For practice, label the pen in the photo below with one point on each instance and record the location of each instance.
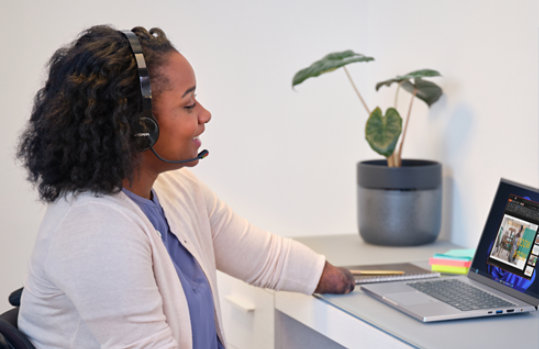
(376, 272)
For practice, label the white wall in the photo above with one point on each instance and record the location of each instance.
(286, 159)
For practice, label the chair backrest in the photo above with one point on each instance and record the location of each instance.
(4, 344)
(15, 297)
(10, 335)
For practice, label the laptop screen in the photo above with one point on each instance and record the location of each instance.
(509, 246)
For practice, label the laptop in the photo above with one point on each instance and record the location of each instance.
(503, 274)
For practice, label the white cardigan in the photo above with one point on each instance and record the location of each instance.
(100, 275)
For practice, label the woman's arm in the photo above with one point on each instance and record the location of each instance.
(269, 260)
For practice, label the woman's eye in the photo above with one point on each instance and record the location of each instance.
(190, 106)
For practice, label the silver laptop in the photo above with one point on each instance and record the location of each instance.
(502, 278)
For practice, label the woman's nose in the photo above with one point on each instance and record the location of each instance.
(205, 115)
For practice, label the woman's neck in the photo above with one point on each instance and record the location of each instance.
(141, 184)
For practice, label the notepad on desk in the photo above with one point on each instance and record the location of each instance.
(364, 274)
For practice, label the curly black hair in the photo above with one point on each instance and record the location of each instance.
(80, 133)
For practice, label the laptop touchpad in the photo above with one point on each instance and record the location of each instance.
(409, 298)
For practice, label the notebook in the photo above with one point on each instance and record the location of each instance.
(503, 267)
(408, 271)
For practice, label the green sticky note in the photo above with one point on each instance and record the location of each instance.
(461, 254)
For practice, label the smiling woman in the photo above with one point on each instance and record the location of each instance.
(128, 249)
(181, 119)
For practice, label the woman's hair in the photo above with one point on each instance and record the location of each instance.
(80, 135)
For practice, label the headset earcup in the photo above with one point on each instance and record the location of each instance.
(147, 133)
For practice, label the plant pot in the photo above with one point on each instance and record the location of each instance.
(399, 206)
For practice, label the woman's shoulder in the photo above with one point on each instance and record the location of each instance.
(102, 221)
(91, 200)
(92, 208)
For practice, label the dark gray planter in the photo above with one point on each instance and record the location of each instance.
(399, 206)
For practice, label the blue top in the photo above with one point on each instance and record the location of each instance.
(194, 282)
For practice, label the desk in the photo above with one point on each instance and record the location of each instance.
(359, 321)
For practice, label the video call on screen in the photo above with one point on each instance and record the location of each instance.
(516, 245)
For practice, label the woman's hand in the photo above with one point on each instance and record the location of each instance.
(335, 280)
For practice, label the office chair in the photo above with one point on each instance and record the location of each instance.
(10, 336)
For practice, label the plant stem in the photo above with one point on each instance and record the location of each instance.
(391, 160)
(399, 160)
(356, 90)
(397, 95)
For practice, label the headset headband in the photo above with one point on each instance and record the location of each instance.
(144, 76)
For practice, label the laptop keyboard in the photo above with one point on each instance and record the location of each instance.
(459, 294)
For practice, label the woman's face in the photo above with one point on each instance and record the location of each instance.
(180, 116)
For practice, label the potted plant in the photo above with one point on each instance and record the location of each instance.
(399, 201)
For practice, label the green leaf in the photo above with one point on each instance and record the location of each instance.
(427, 91)
(329, 63)
(382, 132)
(423, 73)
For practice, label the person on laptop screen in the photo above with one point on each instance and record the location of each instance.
(513, 254)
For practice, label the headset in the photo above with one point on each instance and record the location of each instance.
(147, 131)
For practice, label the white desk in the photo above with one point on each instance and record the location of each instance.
(359, 321)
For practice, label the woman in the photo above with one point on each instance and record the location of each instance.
(127, 252)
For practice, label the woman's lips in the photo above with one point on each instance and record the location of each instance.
(197, 142)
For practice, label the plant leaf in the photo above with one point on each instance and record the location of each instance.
(382, 132)
(422, 73)
(329, 63)
(427, 91)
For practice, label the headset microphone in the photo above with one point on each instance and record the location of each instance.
(200, 156)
